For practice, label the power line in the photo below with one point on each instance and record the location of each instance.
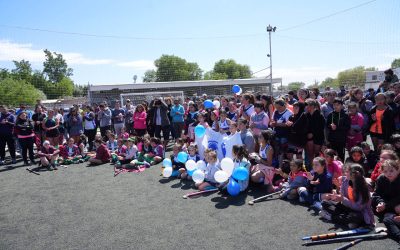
(178, 38)
(338, 41)
(327, 16)
(127, 37)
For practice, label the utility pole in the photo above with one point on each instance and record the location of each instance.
(269, 30)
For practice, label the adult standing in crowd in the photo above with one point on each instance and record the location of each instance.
(139, 120)
(7, 121)
(25, 134)
(177, 113)
(104, 116)
(90, 126)
(75, 124)
(129, 110)
(118, 117)
(160, 119)
(38, 118)
(50, 126)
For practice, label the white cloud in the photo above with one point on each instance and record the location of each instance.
(139, 64)
(10, 51)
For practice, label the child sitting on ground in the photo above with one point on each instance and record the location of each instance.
(385, 155)
(352, 206)
(120, 154)
(386, 198)
(334, 166)
(192, 153)
(48, 156)
(179, 168)
(240, 156)
(123, 135)
(128, 161)
(297, 178)
(112, 143)
(319, 184)
(370, 156)
(102, 154)
(356, 156)
(70, 153)
(212, 166)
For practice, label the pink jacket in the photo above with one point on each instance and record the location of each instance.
(139, 120)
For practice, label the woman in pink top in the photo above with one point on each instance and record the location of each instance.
(139, 120)
(354, 136)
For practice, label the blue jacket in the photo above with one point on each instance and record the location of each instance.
(7, 129)
(177, 113)
(325, 183)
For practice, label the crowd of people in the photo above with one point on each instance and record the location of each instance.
(295, 144)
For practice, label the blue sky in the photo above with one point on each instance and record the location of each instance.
(203, 32)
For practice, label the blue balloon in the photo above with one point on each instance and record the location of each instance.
(233, 187)
(167, 162)
(182, 157)
(235, 89)
(208, 104)
(190, 173)
(240, 173)
(199, 131)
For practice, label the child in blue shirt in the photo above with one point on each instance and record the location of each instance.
(319, 184)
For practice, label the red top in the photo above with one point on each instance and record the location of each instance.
(377, 171)
(103, 154)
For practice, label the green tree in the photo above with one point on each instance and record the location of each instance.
(65, 87)
(55, 67)
(80, 90)
(228, 69)
(173, 68)
(22, 71)
(353, 77)
(296, 85)
(4, 73)
(150, 76)
(16, 91)
(329, 82)
(396, 63)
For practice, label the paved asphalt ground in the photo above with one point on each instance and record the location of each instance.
(83, 207)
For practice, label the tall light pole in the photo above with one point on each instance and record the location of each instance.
(269, 30)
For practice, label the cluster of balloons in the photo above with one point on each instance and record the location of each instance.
(240, 173)
(209, 104)
(236, 89)
(196, 171)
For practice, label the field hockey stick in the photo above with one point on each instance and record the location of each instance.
(380, 233)
(199, 193)
(263, 197)
(32, 171)
(350, 244)
(337, 234)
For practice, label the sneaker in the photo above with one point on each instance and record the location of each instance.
(49, 168)
(317, 206)
(146, 164)
(324, 214)
(13, 161)
(1, 162)
(26, 163)
(54, 166)
(81, 160)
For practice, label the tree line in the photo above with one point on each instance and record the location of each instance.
(22, 84)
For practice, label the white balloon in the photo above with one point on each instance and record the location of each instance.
(198, 176)
(240, 92)
(190, 165)
(217, 104)
(201, 165)
(167, 172)
(227, 165)
(221, 176)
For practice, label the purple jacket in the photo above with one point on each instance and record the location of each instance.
(364, 208)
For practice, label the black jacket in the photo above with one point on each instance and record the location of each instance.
(316, 125)
(342, 122)
(388, 125)
(298, 131)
